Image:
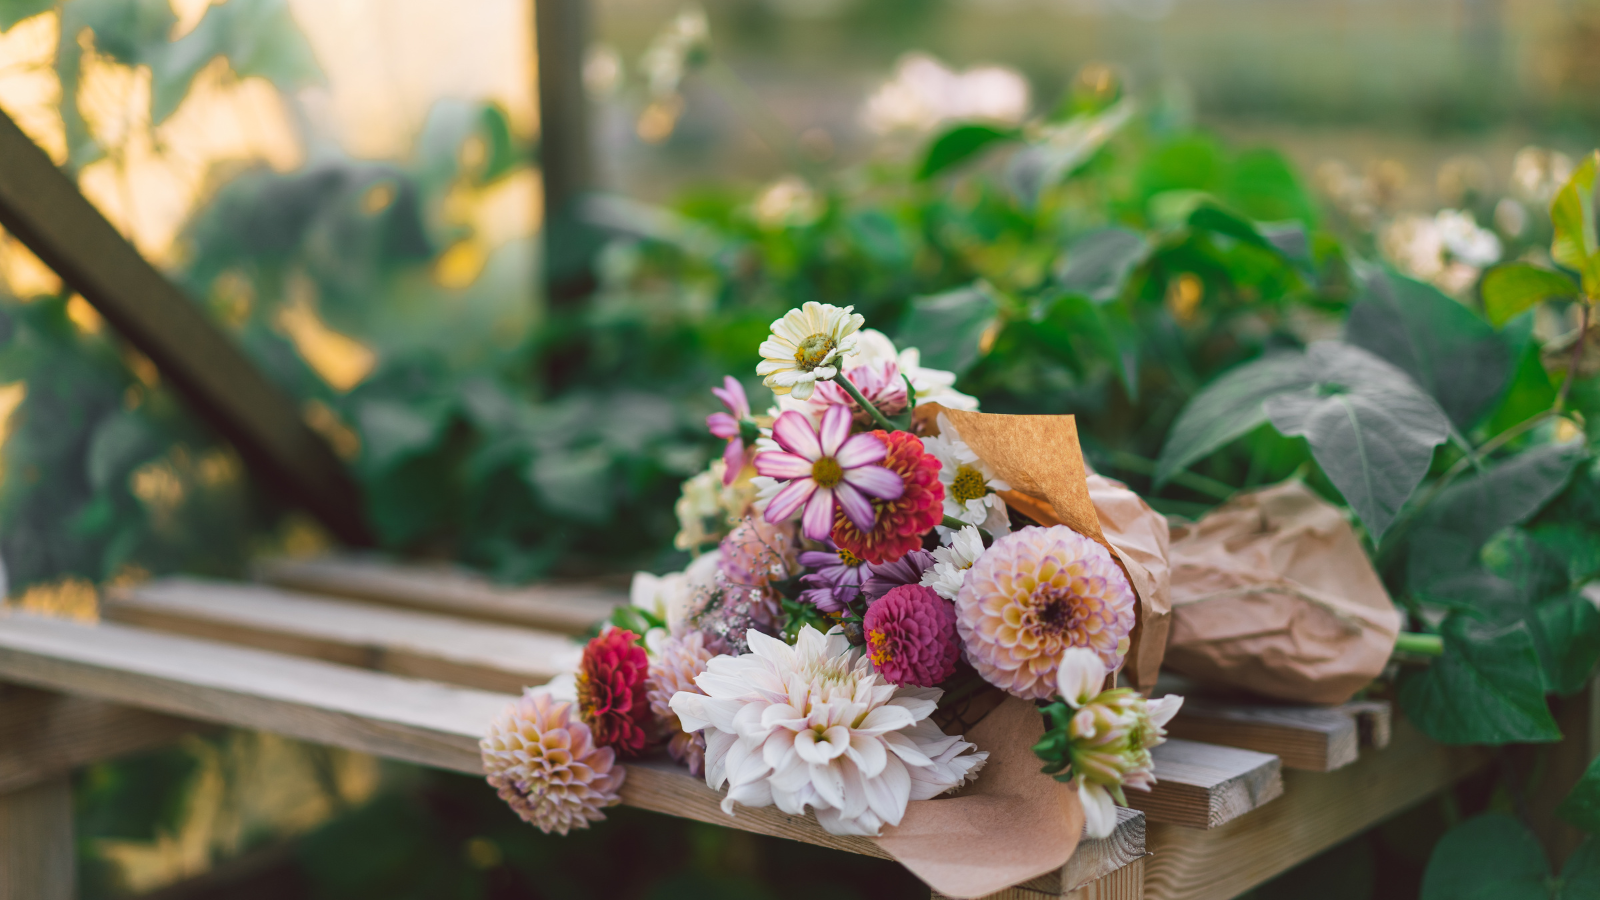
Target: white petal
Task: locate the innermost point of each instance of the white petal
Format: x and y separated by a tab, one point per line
1079	676
1099	810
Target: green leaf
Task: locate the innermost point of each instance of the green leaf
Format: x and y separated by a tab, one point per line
949	327
1452	354
1582	806
1370	429
259	38
1285	239
575	483
1061	150
1490	857
1097	265
1514	288
1580	877
1264	186
393	432
1229	408
1567	635
1572	214
960	144
1530	391
14	11
1487	688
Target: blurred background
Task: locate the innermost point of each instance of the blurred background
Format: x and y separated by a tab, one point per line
353	189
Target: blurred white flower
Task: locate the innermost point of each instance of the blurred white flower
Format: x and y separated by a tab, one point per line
602	71
787	202
1465	241
1537	173
1510	217
925	93
664	596
708	507
1448	249
676	50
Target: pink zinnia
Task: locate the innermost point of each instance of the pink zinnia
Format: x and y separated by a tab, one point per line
730	425
826	468
911	636
1034	594
879	382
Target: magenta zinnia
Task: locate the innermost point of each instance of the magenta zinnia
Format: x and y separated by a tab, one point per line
911	636
825	469
1034	594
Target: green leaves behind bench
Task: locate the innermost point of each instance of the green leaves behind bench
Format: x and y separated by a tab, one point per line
1494	857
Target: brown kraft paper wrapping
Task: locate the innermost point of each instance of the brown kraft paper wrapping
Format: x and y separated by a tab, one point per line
1272	593
1012	824
1040	458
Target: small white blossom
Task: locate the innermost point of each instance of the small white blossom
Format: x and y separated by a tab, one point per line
962	549
969	483
808	345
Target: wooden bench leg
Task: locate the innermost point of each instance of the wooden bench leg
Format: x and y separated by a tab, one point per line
36	846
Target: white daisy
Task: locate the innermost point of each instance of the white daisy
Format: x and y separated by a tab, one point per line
807	345
962	549
969	483
813	725
928	385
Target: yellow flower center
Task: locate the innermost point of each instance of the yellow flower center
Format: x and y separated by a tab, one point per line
879	648
812	351
969	484
849	559
827	472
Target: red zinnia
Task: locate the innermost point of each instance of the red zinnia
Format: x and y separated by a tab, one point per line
612	693
900	523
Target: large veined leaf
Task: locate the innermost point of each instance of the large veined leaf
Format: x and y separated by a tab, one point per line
1491	857
1487	688
1576	244
1566	633
1229	408
259	39
1582	805
960	144
1452	354
1097	265
948	328
14	11
1514	288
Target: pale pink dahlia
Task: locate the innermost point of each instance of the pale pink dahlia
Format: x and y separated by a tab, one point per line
678	660
546	765
1034	594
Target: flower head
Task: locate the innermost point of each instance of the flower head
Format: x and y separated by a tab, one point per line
812	725
927	385
885	577
731	426
835	579
679	659
969	483
546	765
758	552
901	520
666	597
710	503
611	691
880	383
1033	595
911	636
806	346
961	549
826	468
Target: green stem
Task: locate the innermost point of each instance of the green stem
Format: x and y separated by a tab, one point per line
855	394
953	523
1420	644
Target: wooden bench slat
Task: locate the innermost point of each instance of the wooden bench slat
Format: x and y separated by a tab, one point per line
493	657
1206	785
1318	739
567	608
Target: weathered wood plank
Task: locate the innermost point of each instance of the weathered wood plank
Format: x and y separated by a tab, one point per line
1206	785
568	608
43	208
1316	812
1126	883
37	858
1319	739
44	734
493	657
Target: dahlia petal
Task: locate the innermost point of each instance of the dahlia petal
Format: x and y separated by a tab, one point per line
828	781
718	743
794	433
887	718
868	753
782	466
888	794
860	450
817	521
835	428
1099	810
906	749
857	508
788	501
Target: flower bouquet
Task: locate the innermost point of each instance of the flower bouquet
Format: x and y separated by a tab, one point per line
897	610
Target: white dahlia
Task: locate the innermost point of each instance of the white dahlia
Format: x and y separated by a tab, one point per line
807	346
969	483
812	725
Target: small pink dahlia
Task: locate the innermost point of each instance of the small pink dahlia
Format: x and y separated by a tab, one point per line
678	660
1034	594
911	636
546	765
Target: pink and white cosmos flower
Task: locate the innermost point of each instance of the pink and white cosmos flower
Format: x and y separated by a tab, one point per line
825	468
730	426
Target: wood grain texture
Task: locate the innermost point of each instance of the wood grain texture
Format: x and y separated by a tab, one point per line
1318	739
1206	785
567	608
45	734
37	859
43	208
1126	883
493	657
1317	811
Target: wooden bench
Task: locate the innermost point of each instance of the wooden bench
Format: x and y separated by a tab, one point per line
410	664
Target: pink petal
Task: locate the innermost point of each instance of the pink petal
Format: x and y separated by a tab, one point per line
783	506
818	520
835	428
723	425
794	433
885	484
857	508
783	466
733	461
740	405
861	450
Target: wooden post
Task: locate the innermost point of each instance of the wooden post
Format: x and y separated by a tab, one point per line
1557	767
36	848
42	207
565	158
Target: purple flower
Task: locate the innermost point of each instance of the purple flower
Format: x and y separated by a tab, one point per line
730	425
826	468
908	569
835	581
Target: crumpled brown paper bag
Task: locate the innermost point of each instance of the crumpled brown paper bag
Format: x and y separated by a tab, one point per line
1040	458
1012	824
1272	593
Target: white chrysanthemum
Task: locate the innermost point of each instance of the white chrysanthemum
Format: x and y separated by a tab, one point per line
813	725
969	483
962	549
806	346
928	385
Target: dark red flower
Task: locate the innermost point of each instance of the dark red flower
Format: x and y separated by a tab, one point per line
612	692
900	523
911	636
